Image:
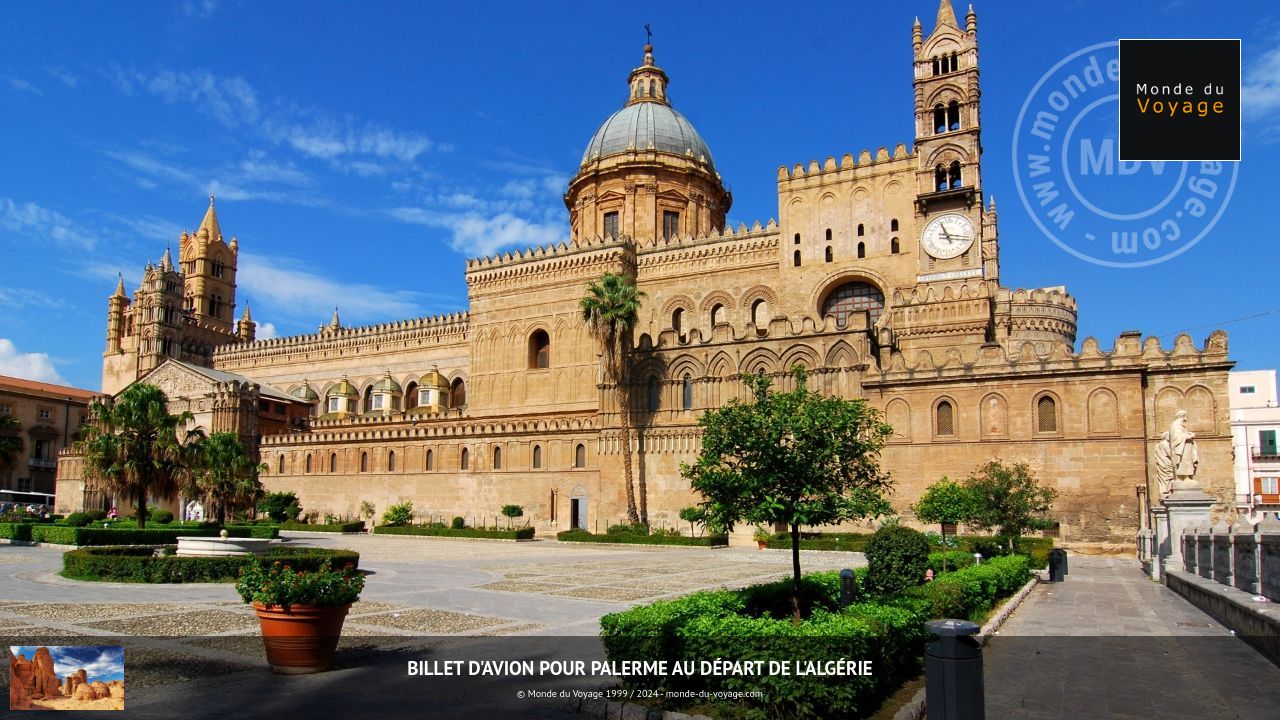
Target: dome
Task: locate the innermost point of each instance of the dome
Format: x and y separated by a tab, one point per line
644	126
434	379
344	389
387	385
306	393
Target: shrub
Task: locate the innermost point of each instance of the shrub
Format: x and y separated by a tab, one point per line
367	510
142	564
398	514
458	523
280	584
846	542
16	531
897	557
956	559
164	517
629	528
96	515
513	511
62	535
280	506
77	520
989	547
438	530
635	539
353	526
968	593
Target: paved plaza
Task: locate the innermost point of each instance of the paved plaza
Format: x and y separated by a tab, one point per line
1107	643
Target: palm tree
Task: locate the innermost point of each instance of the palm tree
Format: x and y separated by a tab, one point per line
227	474
133	446
611	310
10	440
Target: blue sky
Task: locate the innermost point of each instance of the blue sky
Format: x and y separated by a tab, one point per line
361	156
101	663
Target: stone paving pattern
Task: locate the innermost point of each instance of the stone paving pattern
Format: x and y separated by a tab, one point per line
1109	643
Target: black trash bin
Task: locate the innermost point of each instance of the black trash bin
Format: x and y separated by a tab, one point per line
1057	565
953	671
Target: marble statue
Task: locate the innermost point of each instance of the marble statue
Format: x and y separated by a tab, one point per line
1164	466
1182	448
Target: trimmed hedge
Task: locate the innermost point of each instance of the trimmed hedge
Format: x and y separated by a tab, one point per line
1035	548
524	533
84	536
141	564
956	559
638	539
354	526
847	542
754	624
970	592
16	531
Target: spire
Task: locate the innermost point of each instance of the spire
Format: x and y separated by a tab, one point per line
971	21
166	262
917	34
648	82
234	244
209	225
335	323
946	16
119	286
246	317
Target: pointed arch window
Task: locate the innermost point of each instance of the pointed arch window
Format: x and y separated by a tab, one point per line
368	399
853	297
953	175
953	115
391	461
333	462
936	66
411	396
458	393
537	457
429	461
686	392
862	250
580	456
795	259
280	465
893	225
464	462
940	178
364	462
894	247
539	350
828	234
944	419
308	462
497	458
939	119
829	255
1046	414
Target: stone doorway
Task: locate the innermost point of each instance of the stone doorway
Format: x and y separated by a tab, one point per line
578	509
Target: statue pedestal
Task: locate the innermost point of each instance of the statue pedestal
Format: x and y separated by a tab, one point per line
1186	507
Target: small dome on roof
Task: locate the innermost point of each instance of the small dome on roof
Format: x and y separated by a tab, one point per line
306	393
434	379
344	389
386	384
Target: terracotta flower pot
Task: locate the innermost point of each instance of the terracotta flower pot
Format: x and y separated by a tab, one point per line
763	544
303	639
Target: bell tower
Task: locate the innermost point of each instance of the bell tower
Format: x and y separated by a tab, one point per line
949	148
209	273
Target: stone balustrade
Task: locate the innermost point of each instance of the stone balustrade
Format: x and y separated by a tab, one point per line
1244	556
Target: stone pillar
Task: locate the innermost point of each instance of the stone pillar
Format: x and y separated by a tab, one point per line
1186	507
1269	557
1244	554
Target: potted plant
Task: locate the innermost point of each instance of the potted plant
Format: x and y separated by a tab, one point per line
300	612
762	537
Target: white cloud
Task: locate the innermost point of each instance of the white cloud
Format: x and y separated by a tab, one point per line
63	75
201	9
232	101
30	366
475	234
250	179
24	85
149	227
12	299
1261	84
108	664
266	331
288	287
27	221
329	139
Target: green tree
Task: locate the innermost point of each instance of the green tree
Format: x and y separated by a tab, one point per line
10	440
611	310
227	474
511	512
1009	499
137	448
946	502
280	506
796	458
694	516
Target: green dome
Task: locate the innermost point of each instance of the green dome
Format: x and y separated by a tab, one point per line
386	384
344	389
306	393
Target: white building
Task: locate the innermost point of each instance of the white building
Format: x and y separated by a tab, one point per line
1255	425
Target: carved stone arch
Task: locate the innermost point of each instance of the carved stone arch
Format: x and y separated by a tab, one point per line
893	187
860	194
716	297
897	413
1104	412
828	199
803	354
760	359
722	366
837	278
759	292
946	154
994	411
938	416
686	305
841	355
685	364
1201	410
1167	404
943	40
945	94
1042	421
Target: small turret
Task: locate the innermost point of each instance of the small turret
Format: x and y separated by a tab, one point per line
246	328
971	21
917	35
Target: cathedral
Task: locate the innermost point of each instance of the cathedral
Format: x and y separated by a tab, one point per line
881	276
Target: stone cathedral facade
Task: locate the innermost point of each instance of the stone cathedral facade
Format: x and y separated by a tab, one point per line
881	276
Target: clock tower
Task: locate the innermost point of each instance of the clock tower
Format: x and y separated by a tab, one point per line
956	238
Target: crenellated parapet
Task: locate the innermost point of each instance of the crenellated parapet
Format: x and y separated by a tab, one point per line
728	248
992	360
847	169
545	263
448	328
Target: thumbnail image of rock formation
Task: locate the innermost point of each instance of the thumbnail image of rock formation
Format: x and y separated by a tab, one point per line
34	685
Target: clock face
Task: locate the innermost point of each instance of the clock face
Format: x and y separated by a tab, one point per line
947	236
